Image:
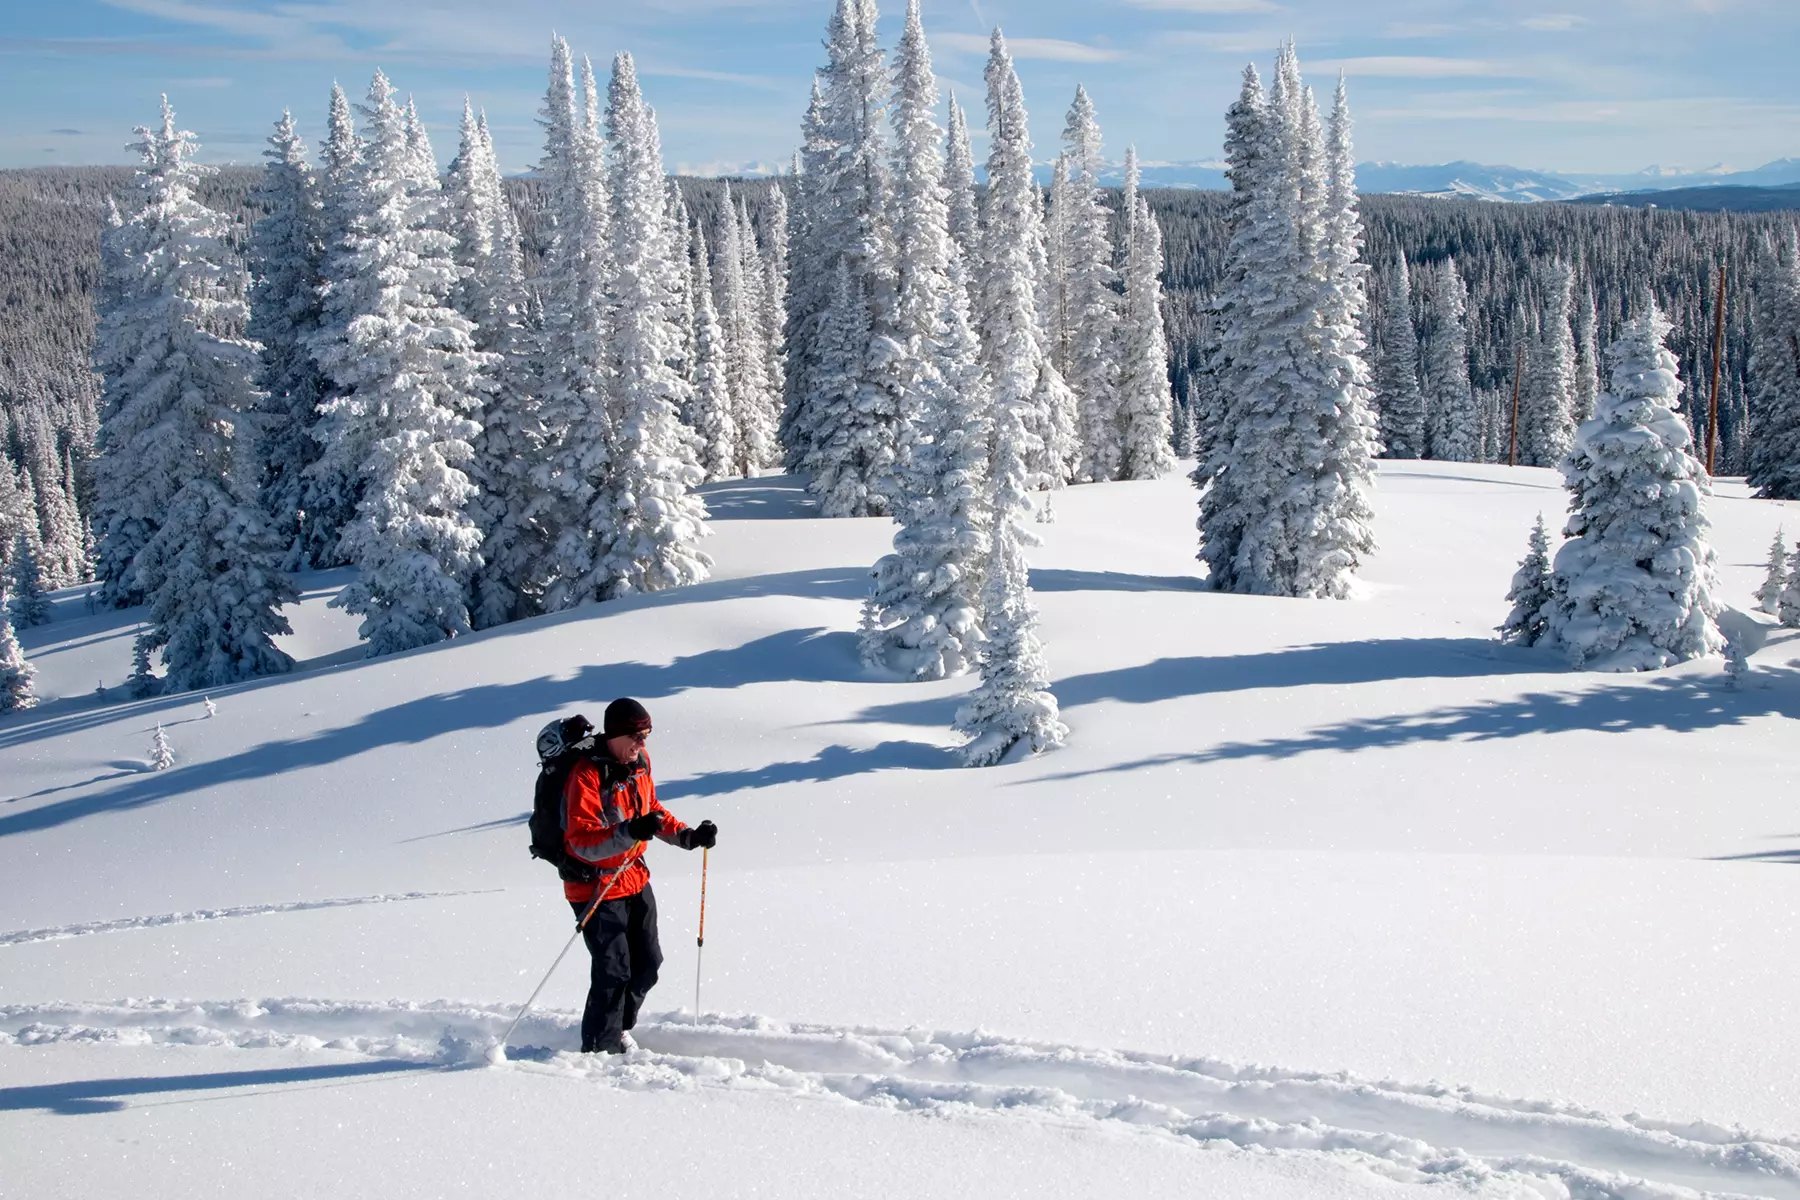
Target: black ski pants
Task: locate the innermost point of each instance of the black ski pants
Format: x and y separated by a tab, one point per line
622	941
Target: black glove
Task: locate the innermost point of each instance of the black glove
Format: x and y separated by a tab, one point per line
703	836
643	828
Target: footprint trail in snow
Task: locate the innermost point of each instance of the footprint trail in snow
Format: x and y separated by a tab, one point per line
1408	1132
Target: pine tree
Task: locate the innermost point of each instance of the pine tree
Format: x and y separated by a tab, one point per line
1012	263
745	360
215	587
1774	468
573	464
776	251
1397	394
330	494
28	605
162	755
848	436
922	616
959	186
1146	405
1287	510
1587	357
1092	304
491	295
1455	431
1787	605
1249	137
712	408
61	555
285	256
18	511
18	689
1635	582
1768	596
682	307
1547	400
1532	593
653	520
407	381
812	280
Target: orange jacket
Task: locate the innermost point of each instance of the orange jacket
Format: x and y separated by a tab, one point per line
595	809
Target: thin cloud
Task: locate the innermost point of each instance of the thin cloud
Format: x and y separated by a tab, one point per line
764	82
1414	66
70	132
1554	22
1251	42
1220	8
1039	49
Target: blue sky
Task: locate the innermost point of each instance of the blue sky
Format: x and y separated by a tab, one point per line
1572	85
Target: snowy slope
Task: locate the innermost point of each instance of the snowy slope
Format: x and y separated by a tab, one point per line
1490	923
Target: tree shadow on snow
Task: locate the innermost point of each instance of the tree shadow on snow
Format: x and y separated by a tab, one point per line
1790	855
833	762
765	498
85	1097
1333	663
1043	580
1682	704
790	656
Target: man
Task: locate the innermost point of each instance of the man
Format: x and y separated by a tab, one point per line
610	811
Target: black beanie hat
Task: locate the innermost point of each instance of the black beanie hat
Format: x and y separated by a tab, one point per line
624	716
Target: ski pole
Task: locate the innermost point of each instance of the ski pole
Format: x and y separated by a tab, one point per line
700	939
580	925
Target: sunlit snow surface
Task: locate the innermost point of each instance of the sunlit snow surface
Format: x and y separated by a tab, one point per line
1321	899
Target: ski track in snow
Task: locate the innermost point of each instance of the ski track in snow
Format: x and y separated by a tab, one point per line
1409	1132
58	932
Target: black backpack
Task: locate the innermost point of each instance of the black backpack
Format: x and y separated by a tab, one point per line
560	745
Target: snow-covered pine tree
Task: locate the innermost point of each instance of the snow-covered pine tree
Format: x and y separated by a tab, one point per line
143	681
1532	592
1092	300
407	384
331	496
28	604
1237	335
850	439
215	585
1455	429
1397	395
1587	356
143	320
959	187
1635	582
62	556
18	688
18	511
653	519
922	615
811	283
682	306
1768	596
1339	531
1787	605
1011	265
746	356
756	343
777	239
162	755
1288	512
574	371
711	408
1013	706
1774	468
1547	396
491	295
285	255
1053	294
1146	405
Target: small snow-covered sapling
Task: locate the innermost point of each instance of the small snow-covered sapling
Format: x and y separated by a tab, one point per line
162	756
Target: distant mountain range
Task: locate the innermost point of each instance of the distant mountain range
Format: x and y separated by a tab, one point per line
1484	182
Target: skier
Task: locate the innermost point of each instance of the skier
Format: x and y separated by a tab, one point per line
611	810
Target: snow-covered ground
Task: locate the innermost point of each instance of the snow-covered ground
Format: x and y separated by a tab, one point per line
1321	899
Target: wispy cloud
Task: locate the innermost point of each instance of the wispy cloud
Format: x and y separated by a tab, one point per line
764	82
204	81
1415	66
1254	41
1554	22
1043	49
71	132
1212	7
